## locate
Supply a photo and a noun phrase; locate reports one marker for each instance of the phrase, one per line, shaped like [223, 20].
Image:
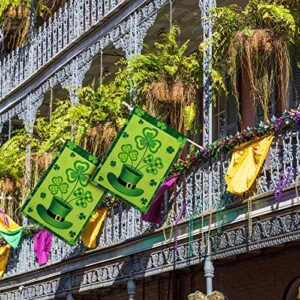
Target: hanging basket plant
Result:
[258, 40]
[15, 19]
[167, 78]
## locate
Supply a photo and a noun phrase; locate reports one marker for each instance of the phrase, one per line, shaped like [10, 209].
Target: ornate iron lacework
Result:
[126, 223]
[69, 22]
[72, 74]
[269, 232]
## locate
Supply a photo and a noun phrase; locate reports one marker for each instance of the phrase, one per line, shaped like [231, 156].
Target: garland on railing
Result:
[277, 125]
[223, 146]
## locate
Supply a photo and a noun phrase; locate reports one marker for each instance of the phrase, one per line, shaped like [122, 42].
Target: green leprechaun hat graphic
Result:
[130, 175]
[127, 181]
[56, 214]
[60, 207]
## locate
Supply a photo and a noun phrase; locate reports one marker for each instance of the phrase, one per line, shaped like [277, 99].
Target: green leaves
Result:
[189, 117]
[278, 17]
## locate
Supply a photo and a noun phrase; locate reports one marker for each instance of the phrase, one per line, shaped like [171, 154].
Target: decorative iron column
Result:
[131, 288]
[208, 270]
[32, 17]
[207, 24]
[132, 42]
[28, 115]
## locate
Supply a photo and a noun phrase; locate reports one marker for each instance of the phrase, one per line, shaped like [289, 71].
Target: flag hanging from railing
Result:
[139, 160]
[64, 200]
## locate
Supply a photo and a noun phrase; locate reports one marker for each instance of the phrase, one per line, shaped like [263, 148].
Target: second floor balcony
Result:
[125, 229]
[197, 209]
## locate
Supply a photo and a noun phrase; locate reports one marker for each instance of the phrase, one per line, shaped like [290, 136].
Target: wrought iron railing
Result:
[125, 223]
[66, 25]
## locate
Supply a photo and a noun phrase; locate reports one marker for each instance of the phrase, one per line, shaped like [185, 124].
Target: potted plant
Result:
[258, 40]
[165, 78]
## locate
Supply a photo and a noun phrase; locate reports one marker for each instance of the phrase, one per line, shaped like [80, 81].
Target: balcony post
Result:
[131, 288]
[208, 270]
[32, 17]
[207, 24]
[69, 296]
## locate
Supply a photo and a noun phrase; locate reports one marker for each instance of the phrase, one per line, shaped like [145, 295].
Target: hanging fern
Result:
[15, 19]
[166, 77]
[256, 39]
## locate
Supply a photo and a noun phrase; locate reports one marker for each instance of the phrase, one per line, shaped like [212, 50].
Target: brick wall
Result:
[264, 275]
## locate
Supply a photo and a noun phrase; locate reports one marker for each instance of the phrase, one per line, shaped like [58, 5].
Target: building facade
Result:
[135, 259]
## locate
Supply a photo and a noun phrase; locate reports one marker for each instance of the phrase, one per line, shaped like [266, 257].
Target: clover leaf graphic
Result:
[81, 216]
[161, 125]
[153, 164]
[71, 145]
[72, 234]
[125, 135]
[148, 140]
[93, 159]
[128, 153]
[82, 198]
[181, 140]
[152, 182]
[170, 149]
[58, 186]
[144, 201]
[78, 174]
[139, 112]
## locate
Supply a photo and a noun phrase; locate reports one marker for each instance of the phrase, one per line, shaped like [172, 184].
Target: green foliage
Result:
[13, 152]
[100, 113]
[97, 107]
[279, 18]
[189, 117]
[167, 62]
[5, 4]
[258, 37]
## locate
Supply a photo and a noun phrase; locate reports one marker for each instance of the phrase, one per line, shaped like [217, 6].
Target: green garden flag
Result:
[139, 160]
[64, 200]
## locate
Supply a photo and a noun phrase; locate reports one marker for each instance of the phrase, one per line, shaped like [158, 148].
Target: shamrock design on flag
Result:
[64, 200]
[139, 160]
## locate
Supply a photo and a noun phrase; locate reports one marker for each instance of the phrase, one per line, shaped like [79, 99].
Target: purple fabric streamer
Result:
[153, 215]
[42, 246]
[283, 182]
[6, 221]
[182, 211]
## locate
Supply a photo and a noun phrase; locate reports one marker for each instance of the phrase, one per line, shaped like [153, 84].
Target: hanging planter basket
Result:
[176, 92]
[258, 41]
[18, 12]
